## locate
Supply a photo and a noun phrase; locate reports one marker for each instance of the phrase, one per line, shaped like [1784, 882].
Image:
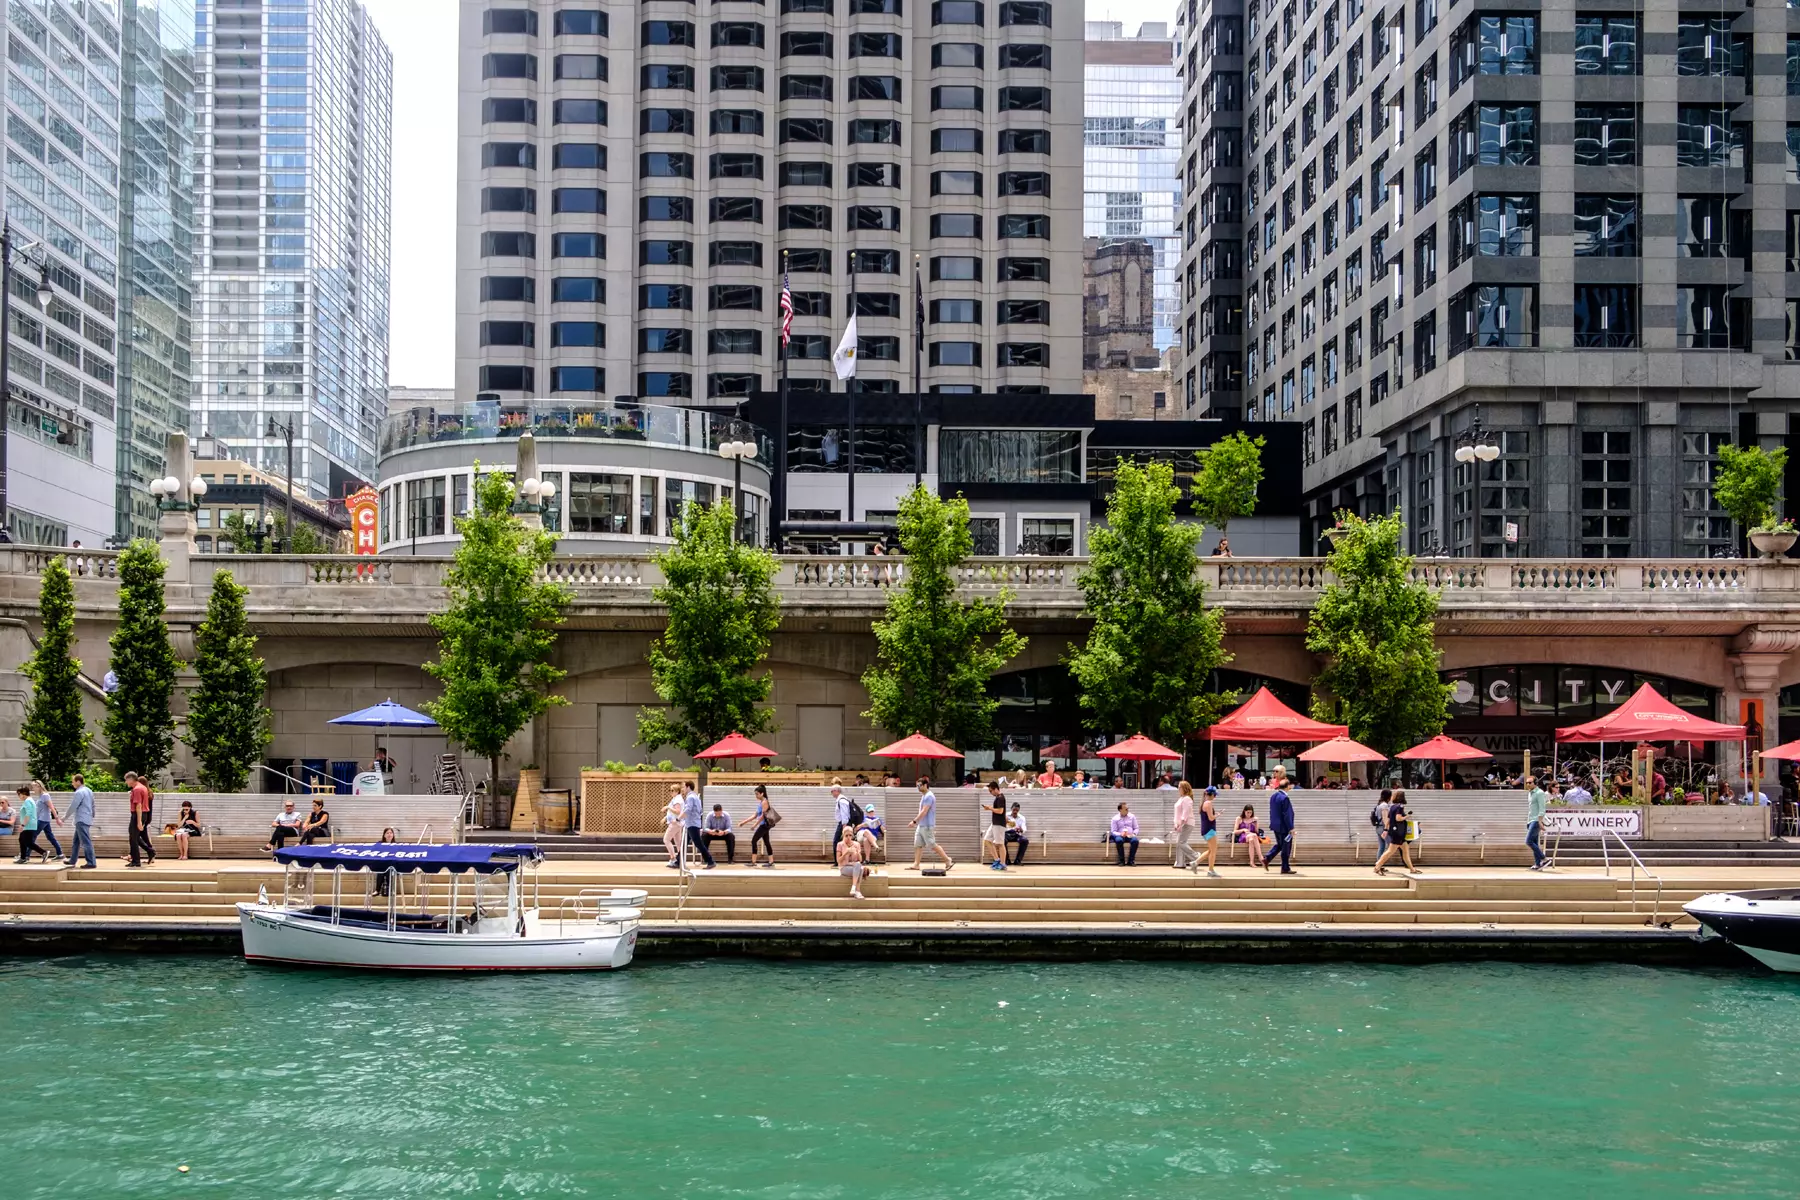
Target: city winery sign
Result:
[1592, 822]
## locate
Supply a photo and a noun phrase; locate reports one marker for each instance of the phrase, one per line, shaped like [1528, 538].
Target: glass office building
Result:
[1132, 151]
[292, 276]
[62, 203]
[156, 228]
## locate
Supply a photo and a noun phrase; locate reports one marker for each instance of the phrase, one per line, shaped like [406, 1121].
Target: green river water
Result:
[740, 1079]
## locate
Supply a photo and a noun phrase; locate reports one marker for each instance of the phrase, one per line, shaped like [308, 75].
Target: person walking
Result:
[841, 804]
[995, 833]
[81, 812]
[1378, 818]
[26, 823]
[1183, 828]
[1396, 835]
[672, 825]
[924, 827]
[1281, 825]
[1209, 832]
[762, 820]
[691, 821]
[1537, 801]
[46, 813]
[138, 833]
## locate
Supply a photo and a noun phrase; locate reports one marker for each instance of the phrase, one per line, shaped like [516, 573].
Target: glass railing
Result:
[487, 420]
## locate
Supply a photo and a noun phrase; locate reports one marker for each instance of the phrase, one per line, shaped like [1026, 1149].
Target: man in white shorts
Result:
[925, 828]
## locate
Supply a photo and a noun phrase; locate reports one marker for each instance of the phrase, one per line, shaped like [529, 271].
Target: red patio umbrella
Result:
[1787, 750]
[1443, 749]
[915, 747]
[1342, 750]
[1141, 749]
[734, 746]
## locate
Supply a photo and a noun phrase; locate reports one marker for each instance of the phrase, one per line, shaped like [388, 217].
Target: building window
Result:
[580, 112]
[509, 66]
[665, 383]
[577, 379]
[956, 97]
[737, 79]
[1605, 316]
[580, 156]
[735, 208]
[955, 225]
[580, 22]
[1704, 45]
[1606, 227]
[1706, 318]
[510, 20]
[1705, 529]
[1493, 317]
[1706, 137]
[1605, 135]
[1606, 494]
[600, 503]
[1606, 44]
[670, 75]
[737, 33]
[806, 45]
[955, 354]
[665, 165]
[1707, 227]
[1033, 225]
[1051, 537]
[957, 12]
[425, 510]
[1504, 499]
[666, 120]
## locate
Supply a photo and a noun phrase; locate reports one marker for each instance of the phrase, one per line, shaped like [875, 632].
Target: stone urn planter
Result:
[1772, 544]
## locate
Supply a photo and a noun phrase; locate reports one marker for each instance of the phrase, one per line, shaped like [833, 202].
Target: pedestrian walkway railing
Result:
[1637, 864]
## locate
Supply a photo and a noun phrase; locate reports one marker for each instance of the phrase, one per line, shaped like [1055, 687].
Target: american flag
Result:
[787, 309]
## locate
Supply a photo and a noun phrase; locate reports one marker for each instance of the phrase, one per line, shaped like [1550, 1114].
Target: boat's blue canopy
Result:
[400, 856]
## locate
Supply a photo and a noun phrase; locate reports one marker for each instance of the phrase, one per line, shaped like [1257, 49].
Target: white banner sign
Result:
[1591, 822]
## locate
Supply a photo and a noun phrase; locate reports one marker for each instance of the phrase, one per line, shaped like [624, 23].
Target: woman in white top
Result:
[672, 814]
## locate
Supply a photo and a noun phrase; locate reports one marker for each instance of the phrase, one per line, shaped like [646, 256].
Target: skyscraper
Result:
[156, 227]
[62, 203]
[626, 192]
[1132, 152]
[292, 275]
[1558, 232]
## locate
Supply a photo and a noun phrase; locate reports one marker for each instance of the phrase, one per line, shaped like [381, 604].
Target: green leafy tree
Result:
[54, 730]
[936, 651]
[1146, 664]
[228, 719]
[496, 637]
[1230, 472]
[306, 540]
[1748, 485]
[140, 730]
[723, 610]
[1373, 626]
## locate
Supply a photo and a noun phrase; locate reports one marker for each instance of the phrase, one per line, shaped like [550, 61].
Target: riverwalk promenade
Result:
[1039, 911]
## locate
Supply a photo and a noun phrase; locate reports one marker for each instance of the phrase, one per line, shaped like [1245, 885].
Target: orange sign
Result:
[364, 507]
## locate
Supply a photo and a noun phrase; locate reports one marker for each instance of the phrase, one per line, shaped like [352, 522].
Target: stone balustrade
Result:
[320, 582]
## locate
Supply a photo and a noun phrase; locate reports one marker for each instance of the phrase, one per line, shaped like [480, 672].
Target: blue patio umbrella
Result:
[386, 715]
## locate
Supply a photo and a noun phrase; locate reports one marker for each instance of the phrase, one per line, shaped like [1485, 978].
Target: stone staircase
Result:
[205, 894]
[575, 847]
[1587, 853]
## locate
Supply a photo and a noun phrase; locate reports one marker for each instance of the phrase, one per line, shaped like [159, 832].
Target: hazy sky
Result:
[422, 34]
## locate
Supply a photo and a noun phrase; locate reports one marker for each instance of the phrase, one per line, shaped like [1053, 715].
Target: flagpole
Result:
[779, 516]
[850, 513]
[918, 344]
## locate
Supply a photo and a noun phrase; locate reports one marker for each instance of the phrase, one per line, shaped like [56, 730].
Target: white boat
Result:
[1765, 924]
[483, 923]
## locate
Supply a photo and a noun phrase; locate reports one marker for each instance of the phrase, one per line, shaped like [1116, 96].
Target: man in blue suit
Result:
[1281, 823]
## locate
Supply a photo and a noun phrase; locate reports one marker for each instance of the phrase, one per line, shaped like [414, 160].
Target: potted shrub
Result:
[1747, 484]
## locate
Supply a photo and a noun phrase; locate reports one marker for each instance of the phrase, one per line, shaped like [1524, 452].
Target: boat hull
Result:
[1763, 924]
[276, 935]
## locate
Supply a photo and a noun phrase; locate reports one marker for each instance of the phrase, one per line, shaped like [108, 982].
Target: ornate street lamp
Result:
[1477, 446]
[737, 449]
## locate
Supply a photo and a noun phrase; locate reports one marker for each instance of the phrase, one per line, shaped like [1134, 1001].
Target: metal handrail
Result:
[424, 836]
[286, 776]
[1637, 864]
[587, 904]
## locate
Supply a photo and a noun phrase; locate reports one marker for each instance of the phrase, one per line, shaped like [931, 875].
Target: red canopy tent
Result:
[1263, 718]
[1140, 748]
[1649, 717]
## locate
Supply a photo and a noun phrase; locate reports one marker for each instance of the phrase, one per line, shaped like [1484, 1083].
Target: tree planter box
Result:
[1707, 823]
[630, 802]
